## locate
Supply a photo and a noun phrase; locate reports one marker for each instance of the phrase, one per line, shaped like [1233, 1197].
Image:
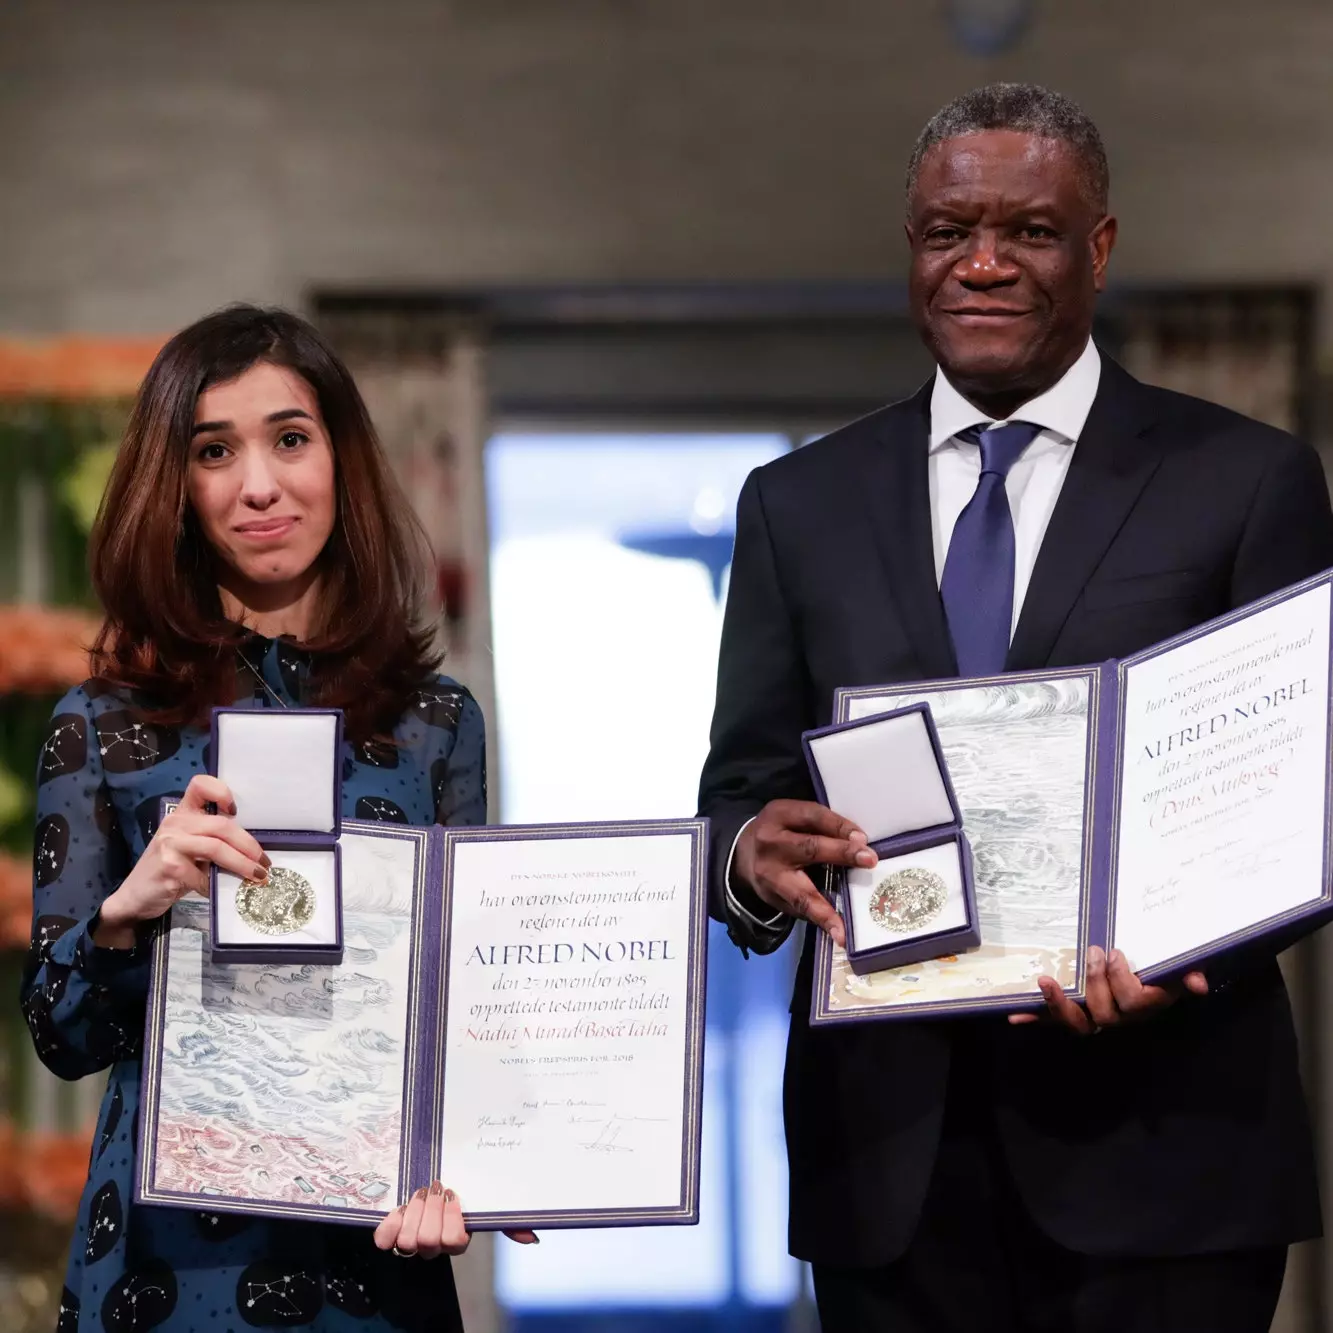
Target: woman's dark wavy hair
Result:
[165, 636]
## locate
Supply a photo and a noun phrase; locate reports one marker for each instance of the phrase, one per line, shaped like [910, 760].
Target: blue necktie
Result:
[978, 583]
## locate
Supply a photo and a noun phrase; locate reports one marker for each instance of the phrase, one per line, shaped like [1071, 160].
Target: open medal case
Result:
[887, 774]
[283, 771]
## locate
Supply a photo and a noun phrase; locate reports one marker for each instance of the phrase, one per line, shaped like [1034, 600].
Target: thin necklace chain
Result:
[258, 675]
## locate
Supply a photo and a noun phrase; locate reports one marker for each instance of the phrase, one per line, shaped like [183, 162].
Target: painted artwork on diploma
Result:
[1020, 757]
[284, 1083]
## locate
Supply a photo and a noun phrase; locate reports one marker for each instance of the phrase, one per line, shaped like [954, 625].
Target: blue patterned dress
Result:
[101, 777]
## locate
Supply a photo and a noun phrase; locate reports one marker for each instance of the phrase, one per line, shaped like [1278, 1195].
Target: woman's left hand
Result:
[431, 1224]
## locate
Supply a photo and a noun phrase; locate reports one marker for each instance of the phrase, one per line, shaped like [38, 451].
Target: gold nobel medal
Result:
[907, 899]
[283, 903]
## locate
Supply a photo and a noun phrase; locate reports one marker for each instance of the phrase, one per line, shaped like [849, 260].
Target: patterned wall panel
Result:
[422, 378]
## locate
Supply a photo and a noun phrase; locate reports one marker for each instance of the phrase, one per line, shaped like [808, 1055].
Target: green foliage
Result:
[23, 728]
[82, 486]
[54, 460]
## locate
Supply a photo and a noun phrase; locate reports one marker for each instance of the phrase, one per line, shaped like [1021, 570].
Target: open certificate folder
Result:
[518, 1012]
[1174, 805]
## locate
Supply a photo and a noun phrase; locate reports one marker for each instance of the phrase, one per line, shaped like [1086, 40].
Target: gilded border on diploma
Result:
[823, 1012]
[687, 1209]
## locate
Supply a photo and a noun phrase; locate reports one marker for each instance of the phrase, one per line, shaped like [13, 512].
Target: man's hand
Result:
[787, 836]
[1114, 996]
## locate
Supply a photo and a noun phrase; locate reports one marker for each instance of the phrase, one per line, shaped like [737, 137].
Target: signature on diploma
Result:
[574, 1105]
[617, 1133]
[1160, 893]
[500, 1122]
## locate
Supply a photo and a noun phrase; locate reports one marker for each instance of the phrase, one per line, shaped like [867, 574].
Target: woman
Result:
[251, 547]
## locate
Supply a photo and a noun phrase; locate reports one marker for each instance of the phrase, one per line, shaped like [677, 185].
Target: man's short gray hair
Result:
[1028, 109]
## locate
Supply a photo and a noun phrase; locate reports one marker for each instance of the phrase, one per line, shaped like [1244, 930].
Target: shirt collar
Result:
[1063, 409]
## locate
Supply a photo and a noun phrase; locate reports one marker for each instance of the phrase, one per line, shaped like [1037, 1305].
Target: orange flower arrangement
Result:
[10, 1185]
[42, 1172]
[74, 367]
[43, 649]
[53, 1171]
[15, 902]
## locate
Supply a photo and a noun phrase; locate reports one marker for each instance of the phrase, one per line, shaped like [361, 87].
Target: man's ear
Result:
[1102, 242]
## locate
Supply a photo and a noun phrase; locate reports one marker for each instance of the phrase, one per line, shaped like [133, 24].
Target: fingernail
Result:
[449, 1196]
[866, 859]
[1096, 959]
[265, 861]
[260, 875]
[536, 1240]
[858, 837]
[1115, 957]
[437, 1188]
[421, 1193]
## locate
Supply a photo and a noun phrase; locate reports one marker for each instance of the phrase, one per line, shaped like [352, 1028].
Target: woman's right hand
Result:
[177, 859]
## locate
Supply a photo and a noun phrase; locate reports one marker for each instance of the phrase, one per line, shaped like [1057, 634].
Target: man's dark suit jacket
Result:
[1185, 1134]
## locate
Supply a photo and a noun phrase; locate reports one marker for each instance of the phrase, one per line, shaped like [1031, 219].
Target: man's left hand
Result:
[1113, 996]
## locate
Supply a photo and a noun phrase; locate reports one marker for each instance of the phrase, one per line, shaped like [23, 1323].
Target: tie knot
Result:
[1002, 446]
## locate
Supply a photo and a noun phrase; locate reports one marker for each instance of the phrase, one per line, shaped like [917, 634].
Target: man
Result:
[1141, 1163]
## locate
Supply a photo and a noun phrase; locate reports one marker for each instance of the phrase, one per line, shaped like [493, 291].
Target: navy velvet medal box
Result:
[887, 774]
[283, 771]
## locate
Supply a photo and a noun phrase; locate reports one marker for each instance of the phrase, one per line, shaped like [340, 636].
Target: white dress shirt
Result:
[1033, 486]
[1034, 481]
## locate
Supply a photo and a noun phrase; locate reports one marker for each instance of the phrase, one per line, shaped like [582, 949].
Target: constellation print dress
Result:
[101, 777]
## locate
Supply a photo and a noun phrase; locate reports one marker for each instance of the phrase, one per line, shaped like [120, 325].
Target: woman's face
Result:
[261, 480]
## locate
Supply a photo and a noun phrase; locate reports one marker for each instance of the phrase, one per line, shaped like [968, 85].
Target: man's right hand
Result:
[785, 837]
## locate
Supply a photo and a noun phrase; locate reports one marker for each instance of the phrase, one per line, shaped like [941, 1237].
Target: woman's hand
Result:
[176, 861]
[431, 1224]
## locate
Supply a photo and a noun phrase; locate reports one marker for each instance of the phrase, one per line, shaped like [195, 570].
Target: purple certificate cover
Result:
[1174, 804]
[646, 1103]
[307, 1090]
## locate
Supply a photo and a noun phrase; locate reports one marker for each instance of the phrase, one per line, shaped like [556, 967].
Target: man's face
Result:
[1008, 255]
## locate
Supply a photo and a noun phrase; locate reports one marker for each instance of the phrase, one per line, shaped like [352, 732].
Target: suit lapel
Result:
[897, 506]
[1112, 463]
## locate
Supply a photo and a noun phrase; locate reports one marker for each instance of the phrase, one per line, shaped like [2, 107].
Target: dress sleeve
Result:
[459, 776]
[84, 1005]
